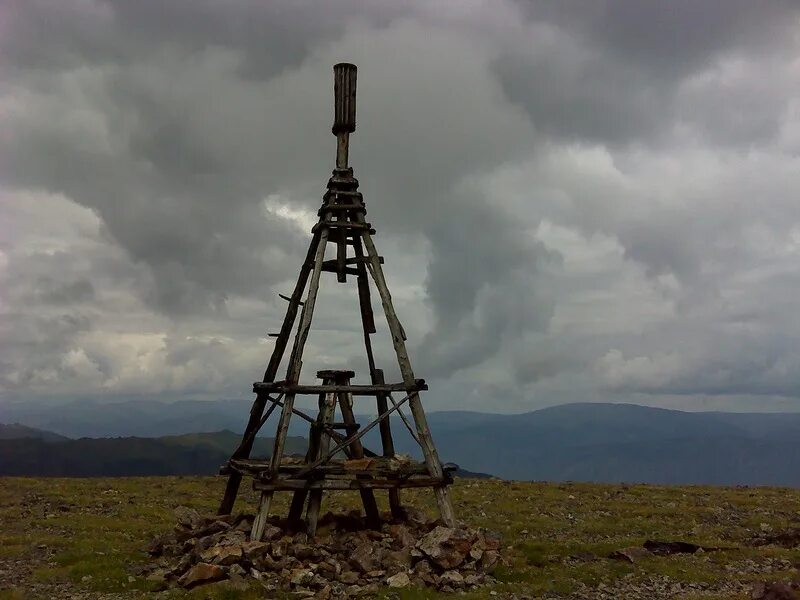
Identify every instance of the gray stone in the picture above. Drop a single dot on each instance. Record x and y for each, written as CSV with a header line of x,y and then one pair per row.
x,y
446,547
201,573
399,580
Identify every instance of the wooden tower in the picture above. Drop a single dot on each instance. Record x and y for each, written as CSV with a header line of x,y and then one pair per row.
x,y
342,223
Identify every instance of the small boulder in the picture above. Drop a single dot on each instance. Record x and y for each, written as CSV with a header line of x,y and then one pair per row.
x,y
446,547
348,577
397,560
774,591
222,555
301,577
188,518
200,574
488,560
364,557
399,580
452,578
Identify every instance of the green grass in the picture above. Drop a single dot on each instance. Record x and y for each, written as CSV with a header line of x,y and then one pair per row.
x,y
88,534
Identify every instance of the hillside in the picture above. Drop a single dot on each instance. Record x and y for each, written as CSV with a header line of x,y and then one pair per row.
x,y
623,442
84,538
194,454
15,431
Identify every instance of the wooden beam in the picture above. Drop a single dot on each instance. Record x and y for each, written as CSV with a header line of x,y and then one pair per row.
x,y
334,434
353,438
354,389
350,484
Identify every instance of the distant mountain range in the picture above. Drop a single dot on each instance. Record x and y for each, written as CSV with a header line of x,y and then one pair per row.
x,y
578,442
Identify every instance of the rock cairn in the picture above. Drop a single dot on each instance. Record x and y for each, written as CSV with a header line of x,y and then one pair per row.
x,y
344,559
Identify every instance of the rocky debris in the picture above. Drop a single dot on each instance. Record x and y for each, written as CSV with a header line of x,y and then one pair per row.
x,y
344,560
774,591
788,538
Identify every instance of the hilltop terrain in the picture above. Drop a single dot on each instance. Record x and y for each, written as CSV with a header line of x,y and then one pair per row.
x,y
573,442
84,538
188,454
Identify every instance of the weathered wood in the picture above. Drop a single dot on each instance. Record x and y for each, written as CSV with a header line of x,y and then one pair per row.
x,y
357,451
335,435
376,375
249,438
292,375
235,479
345,207
327,411
351,484
333,266
353,389
354,437
288,299
364,303
344,119
343,223
314,436
375,466
398,341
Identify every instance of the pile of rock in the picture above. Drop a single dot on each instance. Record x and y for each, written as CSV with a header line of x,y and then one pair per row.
x,y
344,559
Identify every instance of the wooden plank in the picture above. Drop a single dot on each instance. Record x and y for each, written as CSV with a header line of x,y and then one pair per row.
x,y
350,484
333,266
376,466
346,225
356,390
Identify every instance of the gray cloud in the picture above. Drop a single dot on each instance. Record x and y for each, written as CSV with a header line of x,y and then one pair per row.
x,y
574,202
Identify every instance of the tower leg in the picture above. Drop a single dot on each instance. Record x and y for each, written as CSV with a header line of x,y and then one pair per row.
x,y
357,451
292,376
327,411
244,449
398,341
387,444
314,441
376,375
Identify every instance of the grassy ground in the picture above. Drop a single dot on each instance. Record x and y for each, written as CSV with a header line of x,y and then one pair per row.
x,y
82,538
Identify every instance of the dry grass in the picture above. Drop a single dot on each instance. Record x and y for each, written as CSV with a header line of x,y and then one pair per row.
x,y
84,536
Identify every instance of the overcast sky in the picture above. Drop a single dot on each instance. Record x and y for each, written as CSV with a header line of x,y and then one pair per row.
x,y
576,201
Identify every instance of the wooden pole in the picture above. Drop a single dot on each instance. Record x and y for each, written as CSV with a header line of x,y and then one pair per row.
x,y
292,376
327,411
376,375
344,103
398,341
253,424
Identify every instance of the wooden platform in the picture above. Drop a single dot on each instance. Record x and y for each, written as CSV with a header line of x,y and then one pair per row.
x,y
355,474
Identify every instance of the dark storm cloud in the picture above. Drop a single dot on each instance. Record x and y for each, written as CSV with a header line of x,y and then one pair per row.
x,y
572,198
611,71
